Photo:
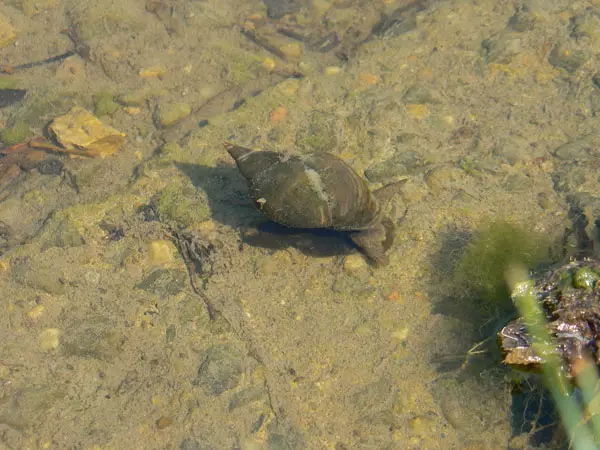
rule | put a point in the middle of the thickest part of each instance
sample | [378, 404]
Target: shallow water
[488, 110]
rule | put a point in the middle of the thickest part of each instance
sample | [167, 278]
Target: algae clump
[15, 134]
[480, 271]
[181, 206]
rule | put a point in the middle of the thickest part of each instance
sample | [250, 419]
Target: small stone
[292, 51]
[27, 406]
[164, 282]
[221, 369]
[421, 426]
[522, 21]
[276, 9]
[163, 422]
[333, 70]
[15, 134]
[36, 276]
[80, 131]
[181, 206]
[417, 111]
[356, 265]
[161, 252]
[401, 164]
[501, 49]
[36, 312]
[567, 59]
[49, 339]
[134, 98]
[153, 72]
[105, 105]
[94, 338]
[319, 7]
[444, 178]
[52, 166]
[420, 94]
[584, 278]
[168, 114]
[582, 149]
[66, 235]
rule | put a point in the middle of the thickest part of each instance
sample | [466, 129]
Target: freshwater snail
[317, 190]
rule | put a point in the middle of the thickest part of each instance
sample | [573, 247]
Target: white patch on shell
[315, 181]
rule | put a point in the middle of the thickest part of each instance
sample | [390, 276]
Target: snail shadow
[227, 194]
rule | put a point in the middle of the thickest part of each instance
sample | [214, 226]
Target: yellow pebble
[153, 72]
[418, 111]
[354, 264]
[132, 110]
[269, 64]
[333, 70]
[49, 339]
[36, 312]
[369, 78]
[291, 50]
[160, 252]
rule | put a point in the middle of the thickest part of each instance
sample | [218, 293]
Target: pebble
[95, 338]
[37, 277]
[355, 265]
[36, 312]
[221, 369]
[160, 252]
[163, 422]
[567, 59]
[164, 282]
[502, 49]
[422, 426]
[168, 114]
[400, 164]
[79, 130]
[49, 339]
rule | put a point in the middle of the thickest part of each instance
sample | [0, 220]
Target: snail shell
[316, 190]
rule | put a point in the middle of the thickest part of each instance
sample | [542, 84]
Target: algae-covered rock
[319, 135]
[221, 369]
[65, 235]
[27, 405]
[164, 282]
[8, 82]
[15, 134]
[104, 18]
[105, 105]
[168, 114]
[37, 275]
[181, 206]
[134, 98]
[584, 278]
[563, 57]
[94, 338]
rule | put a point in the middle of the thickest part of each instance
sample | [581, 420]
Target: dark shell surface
[317, 190]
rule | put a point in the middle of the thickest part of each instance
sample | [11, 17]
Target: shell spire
[249, 162]
[235, 151]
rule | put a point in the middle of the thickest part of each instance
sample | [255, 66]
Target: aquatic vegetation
[480, 270]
